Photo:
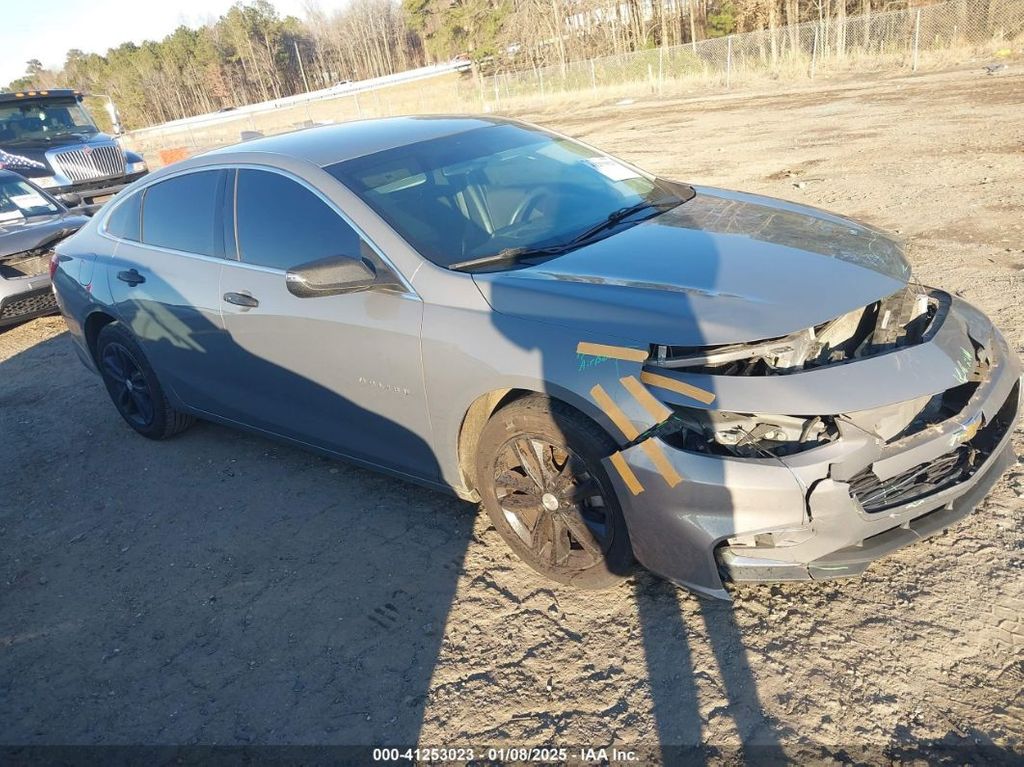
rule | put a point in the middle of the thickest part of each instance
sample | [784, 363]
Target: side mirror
[331, 276]
[115, 117]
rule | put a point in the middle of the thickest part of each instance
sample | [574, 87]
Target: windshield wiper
[508, 255]
[511, 255]
[618, 216]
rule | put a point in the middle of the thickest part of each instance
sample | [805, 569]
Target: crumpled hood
[18, 236]
[725, 267]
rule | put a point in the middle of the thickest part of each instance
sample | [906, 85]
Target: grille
[31, 303]
[83, 164]
[876, 495]
[945, 471]
[25, 266]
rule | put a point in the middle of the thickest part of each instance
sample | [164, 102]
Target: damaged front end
[26, 246]
[25, 284]
[903, 319]
[827, 448]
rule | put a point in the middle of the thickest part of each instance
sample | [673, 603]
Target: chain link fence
[880, 40]
[943, 33]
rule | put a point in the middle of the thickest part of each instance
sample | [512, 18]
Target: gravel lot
[220, 588]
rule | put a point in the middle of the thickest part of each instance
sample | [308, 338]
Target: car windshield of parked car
[492, 190]
[19, 200]
[27, 122]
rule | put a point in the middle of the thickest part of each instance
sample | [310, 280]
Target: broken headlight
[903, 319]
[746, 435]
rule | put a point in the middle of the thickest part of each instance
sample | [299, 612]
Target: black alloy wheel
[552, 503]
[542, 481]
[127, 385]
[133, 385]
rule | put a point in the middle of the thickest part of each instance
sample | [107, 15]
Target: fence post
[814, 51]
[661, 70]
[593, 75]
[728, 63]
[917, 37]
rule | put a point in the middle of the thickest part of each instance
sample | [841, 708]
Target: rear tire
[540, 478]
[133, 386]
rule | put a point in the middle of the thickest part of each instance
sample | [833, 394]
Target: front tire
[133, 386]
[540, 478]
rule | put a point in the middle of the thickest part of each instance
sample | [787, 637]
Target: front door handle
[132, 277]
[241, 299]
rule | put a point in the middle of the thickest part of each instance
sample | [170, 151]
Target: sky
[47, 30]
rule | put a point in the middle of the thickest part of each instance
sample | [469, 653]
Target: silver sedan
[615, 365]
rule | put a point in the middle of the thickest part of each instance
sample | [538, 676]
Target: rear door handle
[241, 299]
[132, 277]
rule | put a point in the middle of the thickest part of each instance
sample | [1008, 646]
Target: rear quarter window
[125, 219]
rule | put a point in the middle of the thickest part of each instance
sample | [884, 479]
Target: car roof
[53, 93]
[329, 144]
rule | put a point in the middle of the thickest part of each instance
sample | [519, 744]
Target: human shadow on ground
[216, 587]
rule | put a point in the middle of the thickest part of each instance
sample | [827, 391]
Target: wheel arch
[480, 412]
[94, 323]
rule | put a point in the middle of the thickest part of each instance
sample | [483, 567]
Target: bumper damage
[25, 286]
[915, 438]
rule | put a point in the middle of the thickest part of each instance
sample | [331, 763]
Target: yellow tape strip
[655, 409]
[614, 412]
[615, 352]
[695, 392]
[657, 456]
[627, 474]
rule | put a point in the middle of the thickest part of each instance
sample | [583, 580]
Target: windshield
[24, 122]
[493, 189]
[19, 200]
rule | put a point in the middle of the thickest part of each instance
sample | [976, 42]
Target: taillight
[54, 260]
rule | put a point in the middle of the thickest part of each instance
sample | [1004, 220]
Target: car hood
[725, 267]
[17, 237]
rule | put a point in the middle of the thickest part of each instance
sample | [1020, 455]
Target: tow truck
[49, 137]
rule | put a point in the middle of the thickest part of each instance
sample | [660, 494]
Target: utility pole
[302, 69]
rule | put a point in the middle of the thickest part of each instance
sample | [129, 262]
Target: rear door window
[282, 224]
[183, 213]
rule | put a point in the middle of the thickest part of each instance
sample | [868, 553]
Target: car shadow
[173, 592]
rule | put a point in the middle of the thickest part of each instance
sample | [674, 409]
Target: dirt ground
[220, 588]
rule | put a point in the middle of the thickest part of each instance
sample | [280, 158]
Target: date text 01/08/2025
[503, 754]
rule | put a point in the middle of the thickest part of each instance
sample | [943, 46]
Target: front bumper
[96, 190]
[797, 518]
[25, 306]
[29, 296]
